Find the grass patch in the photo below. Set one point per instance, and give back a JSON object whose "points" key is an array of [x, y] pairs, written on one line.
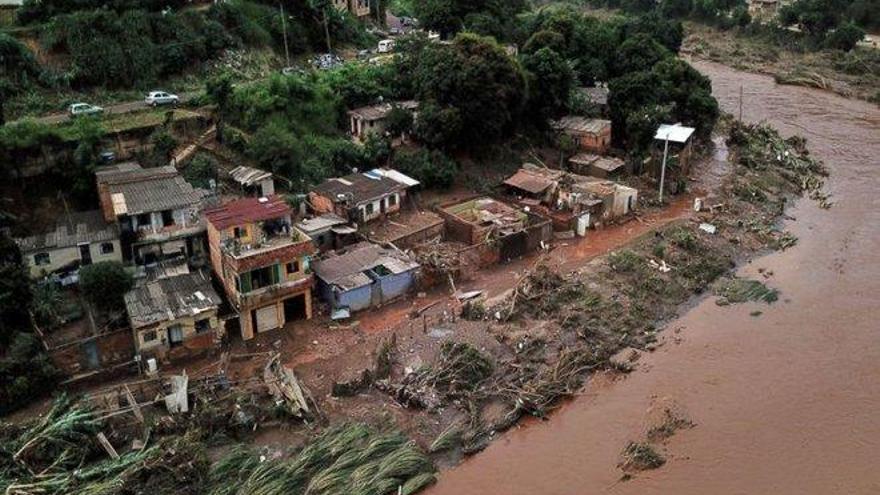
{"points": [[740, 290], [638, 456]]}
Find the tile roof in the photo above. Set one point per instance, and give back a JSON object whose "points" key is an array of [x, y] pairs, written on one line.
{"points": [[134, 190], [380, 111], [345, 268], [362, 188], [531, 181], [168, 299], [72, 229], [247, 210]]}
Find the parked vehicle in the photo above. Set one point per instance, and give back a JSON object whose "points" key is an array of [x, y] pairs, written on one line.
{"points": [[79, 109], [156, 98]]}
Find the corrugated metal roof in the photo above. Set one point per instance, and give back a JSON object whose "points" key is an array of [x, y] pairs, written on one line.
{"points": [[136, 190], [380, 111], [71, 230], [529, 181], [608, 164], [247, 210], [249, 176], [395, 176], [676, 133], [170, 298], [320, 223], [346, 268], [359, 187]]}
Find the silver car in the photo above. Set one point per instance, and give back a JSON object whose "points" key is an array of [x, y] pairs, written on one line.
{"points": [[156, 98], [78, 109]]}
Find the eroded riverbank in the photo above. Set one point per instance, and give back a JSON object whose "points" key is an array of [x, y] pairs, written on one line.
{"points": [[783, 402]]}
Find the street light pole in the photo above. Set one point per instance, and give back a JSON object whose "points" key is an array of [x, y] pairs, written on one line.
{"points": [[663, 167]]}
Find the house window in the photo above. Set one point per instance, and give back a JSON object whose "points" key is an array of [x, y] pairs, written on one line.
{"points": [[203, 325], [239, 232], [293, 266], [106, 247], [42, 259], [368, 210], [144, 220], [167, 218], [392, 200], [149, 336]]}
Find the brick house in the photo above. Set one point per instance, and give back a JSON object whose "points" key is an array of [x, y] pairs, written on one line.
{"points": [[362, 198], [262, 261], [590, 134]]}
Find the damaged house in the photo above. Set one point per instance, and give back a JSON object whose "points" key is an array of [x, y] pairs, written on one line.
{"points": [[574, 202], [590, 134], [77, 239], [253, 181], [157, 211], [364, 275], [174, 317], [371, 119], [504, 231], [262, 261], [362, 197], [603, 167], [675, 143], [328, 231]]}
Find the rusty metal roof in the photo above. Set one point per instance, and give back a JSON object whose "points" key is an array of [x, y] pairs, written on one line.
{"points": [[530, 181], [247, 210]]}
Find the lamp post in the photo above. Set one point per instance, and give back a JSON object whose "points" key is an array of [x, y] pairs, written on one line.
{"points": [[663, 166]]}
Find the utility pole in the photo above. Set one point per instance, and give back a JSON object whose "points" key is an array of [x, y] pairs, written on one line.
{"points": [[663, 167], [284, 34]]}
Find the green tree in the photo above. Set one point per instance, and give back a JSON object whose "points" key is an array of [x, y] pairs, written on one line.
{"points": [[201, 170], [104, 284], [26, 373], [437, 127], [691, 94], [639, 53], [399, 121], [23, 140], [15, 290], [432, 168], [845, 37], [476, 77], [550, 82]]}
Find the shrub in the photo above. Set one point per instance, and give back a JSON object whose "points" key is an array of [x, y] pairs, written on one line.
{"points": [[433, 169], [26, 373], [104, 284]]}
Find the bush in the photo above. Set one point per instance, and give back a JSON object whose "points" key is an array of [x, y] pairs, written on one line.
{"points": [[200, 170], [432, 168], [26, 373], [104, 284], [845, 37]]}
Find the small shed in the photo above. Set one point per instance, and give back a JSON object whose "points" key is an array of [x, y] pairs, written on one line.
{"points": [[364, 275], [253, 181], [602, 167], [677, 141], [590, 134]]}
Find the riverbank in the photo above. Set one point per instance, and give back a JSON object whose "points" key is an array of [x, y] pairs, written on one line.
{"points": [[853, 74], [781, 401]]}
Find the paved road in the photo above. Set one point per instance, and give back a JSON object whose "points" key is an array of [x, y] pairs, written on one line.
{"points": [[127, 107]]}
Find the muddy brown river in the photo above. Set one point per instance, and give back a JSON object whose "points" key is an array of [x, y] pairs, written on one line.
{"points": [[787, 402]]}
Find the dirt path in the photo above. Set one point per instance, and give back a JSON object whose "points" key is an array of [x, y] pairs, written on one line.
{"points": [[784, 402]]}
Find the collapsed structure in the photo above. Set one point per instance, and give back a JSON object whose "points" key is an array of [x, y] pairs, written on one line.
{"points": [[362, 197], [574, 202]]}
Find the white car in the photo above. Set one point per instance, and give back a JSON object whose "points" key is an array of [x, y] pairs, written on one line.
{"points": [[77, 109], [156, 98]]}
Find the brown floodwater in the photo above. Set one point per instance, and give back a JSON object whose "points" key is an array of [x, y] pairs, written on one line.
{"points": [[784, 402]]}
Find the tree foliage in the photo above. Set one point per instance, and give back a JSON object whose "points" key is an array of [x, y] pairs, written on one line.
{"points": [[432, 168], [26, 373], [474, 76], [104, 284]]}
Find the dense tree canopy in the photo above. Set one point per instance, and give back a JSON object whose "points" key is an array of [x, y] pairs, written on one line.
{"points": [[474, 76]]}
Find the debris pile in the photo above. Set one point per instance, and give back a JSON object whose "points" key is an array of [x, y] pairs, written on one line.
{"points": [[349, 458], [739, 290]]}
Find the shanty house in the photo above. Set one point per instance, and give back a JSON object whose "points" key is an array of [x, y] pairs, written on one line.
{"points": [[253, 181], [364, 275], [362, 197], [572, 201], [157, 210], [358, 8], [328, 231], [262, 261], [371, 119], [510, 232], [603, 167], [76, 239], [175, 316], [589, 134], [676, 143]]}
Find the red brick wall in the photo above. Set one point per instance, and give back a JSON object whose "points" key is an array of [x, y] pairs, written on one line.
{"points": [[113, 348]]}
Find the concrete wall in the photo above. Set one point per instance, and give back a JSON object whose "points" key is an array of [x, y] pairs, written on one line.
{"points": [[111, 348], [378, 205], [59, 258], [389, 287], [160, 345]]}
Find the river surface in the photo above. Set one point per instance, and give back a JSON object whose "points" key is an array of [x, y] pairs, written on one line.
{"points": [[787, 402]]}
